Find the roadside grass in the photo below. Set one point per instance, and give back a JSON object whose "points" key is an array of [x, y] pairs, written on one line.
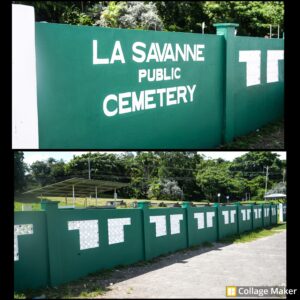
{"points": [[20, 199], [263, 201], [253, 235], [90, 285], [270, 136]]}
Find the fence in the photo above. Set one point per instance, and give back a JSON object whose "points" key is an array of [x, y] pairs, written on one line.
{"points": [[123, 89], [55, 246]]}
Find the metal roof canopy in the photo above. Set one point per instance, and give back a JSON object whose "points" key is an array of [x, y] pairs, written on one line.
{"points": [[275, 195], [77, 186]]}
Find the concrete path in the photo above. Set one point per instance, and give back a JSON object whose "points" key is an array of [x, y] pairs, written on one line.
{"points": [[204, 273]]}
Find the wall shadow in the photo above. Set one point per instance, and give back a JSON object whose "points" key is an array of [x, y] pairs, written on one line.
{"points": [[103, 279]]}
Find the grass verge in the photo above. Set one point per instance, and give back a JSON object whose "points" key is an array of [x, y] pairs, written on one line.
{"points": [[20, 199], [253, 235]]}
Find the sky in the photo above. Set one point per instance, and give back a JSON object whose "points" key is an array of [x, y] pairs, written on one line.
{"points": [[31, 156]]}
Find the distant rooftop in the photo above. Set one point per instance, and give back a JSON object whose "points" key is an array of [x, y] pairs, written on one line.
{"points": [[275, 195]]}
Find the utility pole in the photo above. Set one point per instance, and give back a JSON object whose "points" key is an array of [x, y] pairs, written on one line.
{"points": [[278, 31], [267, 174], [283, 175], [270, 31], [89, 167]]}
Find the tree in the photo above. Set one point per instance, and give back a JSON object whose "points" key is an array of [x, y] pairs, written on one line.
{"points": [[40, 172], [253, 17], [144, 171], [49, 171], [165, 190], [68, 12], [73, 15], [19, 171], [110, 15], [253, 164], [57, 170], [214, 177], [130, 14], [181, 167], [167, 175], [256, 187], [103, 167], [182, 15]]}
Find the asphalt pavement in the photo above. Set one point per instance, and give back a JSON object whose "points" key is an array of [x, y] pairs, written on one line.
{"points": [[205, 272]]}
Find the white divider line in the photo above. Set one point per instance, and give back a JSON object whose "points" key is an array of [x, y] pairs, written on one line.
{"points": [[24, 87]]}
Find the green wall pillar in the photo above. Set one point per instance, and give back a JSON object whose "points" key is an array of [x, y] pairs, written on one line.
{"points": [[216, 205], [252, 216], [54, 251], [228, 31], [142, 205], [186, 205], [237, 206]]}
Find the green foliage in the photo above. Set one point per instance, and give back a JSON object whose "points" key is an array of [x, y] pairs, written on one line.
{"points": [[111, 14], [51, 11], [72, 15], [254, 17], [19, 296], [254, 235], [182, 15], [254, 162], [130, 14], [214, 178], [245, 174], [165, 190], [19, 171], [47, 172], [144, 170], [166, 175], [181, 167]]}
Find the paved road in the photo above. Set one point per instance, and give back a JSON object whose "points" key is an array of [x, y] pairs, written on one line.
{"points": [[204, 273]]}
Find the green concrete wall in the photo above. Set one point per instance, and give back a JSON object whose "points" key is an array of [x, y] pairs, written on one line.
{"points": [[205, 230], [56, 246], [274, 214], [72, 88], [245, 218], [31, 268], [284, 212], [156, 244], [258, 219], [267, 215], [227, 226], [250, 107]]}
